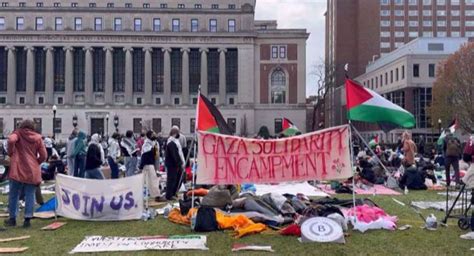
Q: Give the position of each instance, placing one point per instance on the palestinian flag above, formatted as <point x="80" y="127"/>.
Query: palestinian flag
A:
<point x="452" y="127"/>
<point x="209" y="118"/>
<point x="289" y="129"/>
<point x="366" y="105"/>
<point x="374" y="141"/>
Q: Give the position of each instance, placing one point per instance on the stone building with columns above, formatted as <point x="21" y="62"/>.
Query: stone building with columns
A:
<point x="139" y="64"/>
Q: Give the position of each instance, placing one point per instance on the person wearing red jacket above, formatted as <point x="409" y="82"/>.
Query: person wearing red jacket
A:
<point x="27" y="152"/>
<point x="469" y="148"/>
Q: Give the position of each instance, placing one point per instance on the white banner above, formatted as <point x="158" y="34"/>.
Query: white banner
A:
<point x="125" y="244"/>
<point x="99" y="200"/>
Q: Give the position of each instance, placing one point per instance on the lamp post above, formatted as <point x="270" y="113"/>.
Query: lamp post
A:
<point x="439" y="125"/>
<point x="74" y="121"/>
<point x="107" y="127"/>
<point x="54" y="121"/>
<point x="116" y="122"/>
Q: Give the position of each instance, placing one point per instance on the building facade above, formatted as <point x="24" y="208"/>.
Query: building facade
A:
<point x="359" y="32"/>
<point x="141" y="64"/>
<point x="405" y="77"/>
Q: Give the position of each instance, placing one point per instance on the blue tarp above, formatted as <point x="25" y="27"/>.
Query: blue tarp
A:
<point x="48" y="206"/>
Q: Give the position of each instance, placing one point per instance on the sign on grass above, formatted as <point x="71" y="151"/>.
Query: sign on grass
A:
<point x="125" y="244"/>
<point x="86" y="199"/>
<point x="321" y="155"/>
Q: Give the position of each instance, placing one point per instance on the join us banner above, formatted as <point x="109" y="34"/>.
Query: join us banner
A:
<point x="321" y="155"/>
<point x="100" y="200"/>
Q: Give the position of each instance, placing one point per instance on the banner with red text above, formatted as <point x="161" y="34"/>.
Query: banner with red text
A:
<point x="321" y="155"/>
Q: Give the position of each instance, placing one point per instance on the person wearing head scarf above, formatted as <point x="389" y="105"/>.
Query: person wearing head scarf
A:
<point x="79" y="154"/>
<point x="69" y="149"/>
<point x="174" y="163"/>
<point x="113" y="153"/>
<point x="94" y="159"/>
<point x="129" y="149"/>
<point x="27" y="151"/>
<point x="150" y="152"/>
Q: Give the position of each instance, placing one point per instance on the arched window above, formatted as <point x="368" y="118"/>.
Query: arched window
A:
<point x="278" y="86"/>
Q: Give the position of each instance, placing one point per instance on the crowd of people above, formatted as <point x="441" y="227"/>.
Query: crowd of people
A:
<point x="33" y="158"/>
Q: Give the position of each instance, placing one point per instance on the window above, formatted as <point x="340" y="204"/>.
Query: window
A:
<point x="118" y="24"/>
<point x="163" y="6"/>
<point x="391" y="76"/>
<point x="426" y="2"/>
<point x="278" y="125"/>
<point x="128" y="5"/>
<point x="57" y="125"/>
<point x="176" y="70"/>
<point x="78" y="24"/>
<point x="428" y="33"/>
<point x="412" y="13"/>
<point x="456" y="2"/>
<point x="427" y="23"/>
<point x="274" y="52"/>
<point x="157" y="101"/>
<point x="20" y="23"/>
<point x="175" y="27"/>
<point x="441" y="13"/>
<point x="176" y="122"/>
<point x="58" y="24"/>
<point x="413" y="34"/>
<point x="156" y="125"/>
<point x="176" y="101"/>
<point x="20" y="69"/>
<point x="74" y="4"/>
<point x="384" y="34"/>
<point x="431" y="70"/>
<point x="413" y="2"/>
<point x="384" y="23"/>
<point x="386" y="78"/>
<point x="157" y="69"/>
<point x="214" y="6"/>
<point x="212" y="25"/>
<point x="384" y="2"/>
<point x="399" y="2"/>
<point x="399" y="44"/>
<point x="232" y="71"/>
<point x="181" y="6"/>
<point x="426" y="12"/>
<point x="399" y="12"/>
<point x="39" y="4"/>
<point x="156" y="25"/>
<point x="22" y="4"/>
<point x="385" y="13"/>
<point x="384" y="45"/>
<point x="213" y="71"/>
<point x="139" y="101"/>
<point x="2" y="23"/>
<point x="232" y="122"/>
<point x="79" y="69"/>
<point x="4" y="4"/>
<point x="17" y="122"/>
<point x="455" y="34"/>
<point x="441" y="2"/>
<point x="59" y="69"/>
<point x="40" y="64"/>
<point x="231" y="101"/>
<point x="98" y="24"/>
<point x="98" y="65"/>
<point x="441" y="34"/>
<point x="39" y="23"/>
<point x="413" y="23"/>
<point x="416" y="70"/>
<point x="231" y="6"/>
<point x="455" y="23"/>
<point x="396" y="74"/>
<point x="57" y="4"/>
<point x="194" y="70"/>
<point x="231" y="26"/>
<point x="118" y="69"/>
<point x="198" y="6"/>
<point x="138" y="24"/>
<point x="110" y="5"/>
<point x="92" y="5"/>
<point x="403" y="72"/>
<point x="441" y="23"/>
<point x="40" y="100"/>
<point x="469" y="23"/>
<point x="455" y="12"/>
<point x="146" y="5"/>
<point x="138" y="60"/>
<point x="399" y="23"/>
<point x="282" y="52"/>
<point x="194" y="25"/>
<point x="194" y="100"/>
<point x="137" y="125"/>
<point x="399" y="34"/>
<point x="3" y="100"/>
<point x="422" y="100"/>
<point x="278" y="86"/>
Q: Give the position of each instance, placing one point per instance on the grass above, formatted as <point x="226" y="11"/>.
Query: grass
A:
<point x="415" y="241"/>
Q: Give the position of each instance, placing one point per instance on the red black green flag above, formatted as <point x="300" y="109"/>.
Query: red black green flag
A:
<point x="209" y="118"/>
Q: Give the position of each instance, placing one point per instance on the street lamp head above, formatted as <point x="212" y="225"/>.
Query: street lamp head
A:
<point x="107" y="116"/>
<point x="439" y="121"/>
<point x="55" y="108"/>
<point x="116" y="120"/>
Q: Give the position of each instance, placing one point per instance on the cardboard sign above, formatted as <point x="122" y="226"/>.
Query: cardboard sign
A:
<point x="321" y="155"/>
<point x="125" y="244"/>
<point x="86" y="199"/>
<point x="12" y="249"/>
<point x="322" y="230"/>
<point x="10" y="239"/>
<point x="54" y="226"/>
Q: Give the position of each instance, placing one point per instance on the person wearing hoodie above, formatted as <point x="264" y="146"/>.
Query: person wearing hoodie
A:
<point x="150" y="152"/>
<point x="69" y="149"/>
<point x="94" y="159"/>
<point x="27" y="151"/>
<point x="113" y="153"/>
<point x="129" y="150"/>
<point x="174" y="163"/>
<point x="79" y="154"/>
<point x="469" y="147"/>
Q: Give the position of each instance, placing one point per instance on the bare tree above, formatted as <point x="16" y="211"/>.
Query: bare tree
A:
<point x="322" y="71"/>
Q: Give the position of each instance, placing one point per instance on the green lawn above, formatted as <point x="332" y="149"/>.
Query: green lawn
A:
<point x="415" y="241"/>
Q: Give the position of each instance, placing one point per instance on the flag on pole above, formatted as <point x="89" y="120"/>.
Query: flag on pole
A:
<point x="366" y="105"/>
<point x="452" y="128"/>
<point x="289" y="129"/>
<point x="209" y="118"/>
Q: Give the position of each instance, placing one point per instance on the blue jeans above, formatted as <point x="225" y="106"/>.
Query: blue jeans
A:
<point x="79" y="166"/>
<point x="114" y="170"/>
<point x="95" y="174"/>
<point x="14" y="195"/>
<point x="130" y="165"/>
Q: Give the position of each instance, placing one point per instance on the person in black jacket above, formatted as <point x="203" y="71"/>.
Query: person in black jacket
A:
<point x="174" y="163"/>
<point x="150" y="152"/>
<point x="94" y="162"/>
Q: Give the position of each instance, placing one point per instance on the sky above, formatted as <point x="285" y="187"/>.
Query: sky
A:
<point x="307" y="14"/>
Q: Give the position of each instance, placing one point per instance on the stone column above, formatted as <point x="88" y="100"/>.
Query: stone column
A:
<point x="11" y="78"/>
<point x="185" y="76"/>
<point x="49" y="79"/>
<point x="167" y="76"/>
<point x="222" y="76"/>
<point x="128" y="75"/>
<point x="69" y="76"/>
<point x="148" y="74"/>
<point x="204" y="70"/>
<point x="89" y="78"/>
<point x="109" y="76"/>
<point x="30" y="75"/>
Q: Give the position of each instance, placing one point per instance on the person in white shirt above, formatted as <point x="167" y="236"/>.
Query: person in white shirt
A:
<point x="113" y="155"/>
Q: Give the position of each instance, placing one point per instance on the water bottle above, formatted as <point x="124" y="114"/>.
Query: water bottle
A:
<point x="406" y="191"/>
<point x="193" y="221"/>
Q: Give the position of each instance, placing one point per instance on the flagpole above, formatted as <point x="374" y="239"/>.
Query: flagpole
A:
<point x="194" y="168"/>
<point x="346" y="69"/>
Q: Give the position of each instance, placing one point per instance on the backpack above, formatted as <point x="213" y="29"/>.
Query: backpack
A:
<point x="452" y="147"/>
<point x="206" y="220"/>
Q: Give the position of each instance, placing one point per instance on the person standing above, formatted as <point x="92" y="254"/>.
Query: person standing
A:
<point x="184" y="144"/>
<point x="421" y="146"/>
<point x="469" y="147"/>
<point x="409" y="150"/>
<point x="79" y="154"/>
<point x="94" y="159"/>
<point x="113" y="155"/>
<point x="69" y="149"/>
<point x="140" y="141"/>
<point x="150" y="152"/>
<point x="452" y="151"/>
<point x="174" y="163"/>
<point x="48" y="143"/>
<point x="27" y="151"/>
<point x="129" y="149"/>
